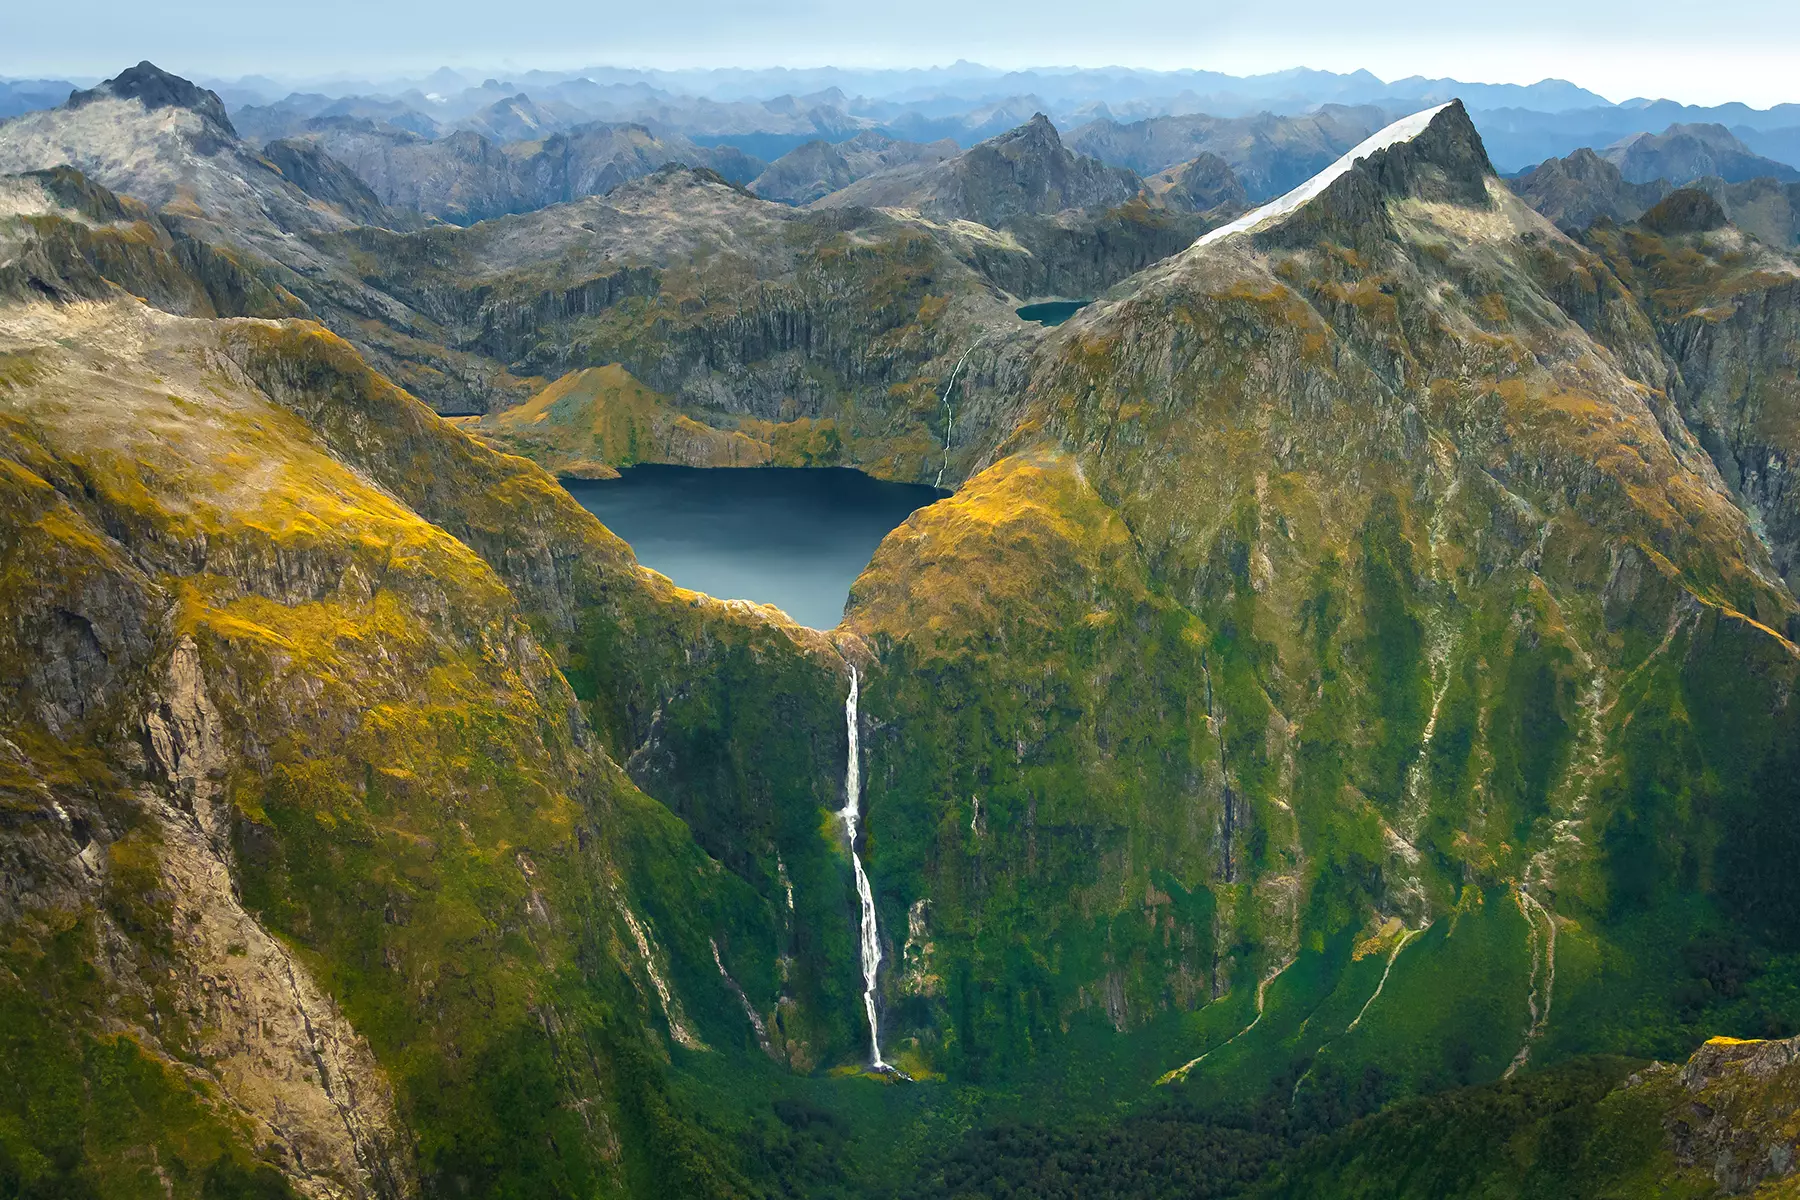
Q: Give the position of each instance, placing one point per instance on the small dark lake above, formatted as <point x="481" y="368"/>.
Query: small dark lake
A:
<point x="1052" y="312"/>
<point x="788" y="536"/>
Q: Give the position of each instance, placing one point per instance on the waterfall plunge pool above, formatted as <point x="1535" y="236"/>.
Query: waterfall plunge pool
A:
<point x="794" y="537"/>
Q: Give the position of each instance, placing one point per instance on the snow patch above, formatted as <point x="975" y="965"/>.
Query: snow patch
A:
<point x="1403" y="130"/>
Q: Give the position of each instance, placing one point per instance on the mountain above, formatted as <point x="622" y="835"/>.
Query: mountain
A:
<point x="170" y="144"/>
<point x="465" y="177"/>
<point x="1734" y="357"/>
<point x="1337" y="731"/>
<point x="1576" y="191"/>
<point x="276" y="1046"/>
<point x="163" y="141"/>
<point x="1269" y="154"/>
<point x="1205" y="183"/>
<point x="27" y="95"/>
<point x="819" y="168"/>
<point x="1255" y="472"/>
<point x="1683" y="153"/>
<point x="1023" y="171"/>
<point x="260" y="124"/>
<point x="521" y="119"/>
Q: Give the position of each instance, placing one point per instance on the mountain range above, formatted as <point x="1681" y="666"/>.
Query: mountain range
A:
<point x="1334" y="736"/>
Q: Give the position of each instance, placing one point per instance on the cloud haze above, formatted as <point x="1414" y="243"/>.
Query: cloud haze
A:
<point x="1745" y="50"/>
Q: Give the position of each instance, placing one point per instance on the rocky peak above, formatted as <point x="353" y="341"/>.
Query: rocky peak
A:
<point x="1443" y="161"/>
<point x="1585" y="165"/>
<point x="1446" y="163"/>
<point x="1035" y="135"/>
<point x="156" y="88"/>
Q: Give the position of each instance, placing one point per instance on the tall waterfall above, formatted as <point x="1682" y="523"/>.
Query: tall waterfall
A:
<point x="852" y="812"/>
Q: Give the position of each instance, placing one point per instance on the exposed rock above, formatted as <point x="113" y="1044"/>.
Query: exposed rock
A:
<point x="318" y="174"/>
<point x="1740" y="1119"/>
<point x="155" y="88"/>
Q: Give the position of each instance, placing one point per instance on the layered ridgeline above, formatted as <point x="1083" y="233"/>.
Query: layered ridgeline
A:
<point x="1354" y="664"/>
<point x="734" y="308"/>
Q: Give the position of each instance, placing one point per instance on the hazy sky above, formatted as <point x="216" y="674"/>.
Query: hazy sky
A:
<point x="1728" y="50"/>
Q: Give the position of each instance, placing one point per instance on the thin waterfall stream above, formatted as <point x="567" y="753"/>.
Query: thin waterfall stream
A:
<point x="871" y="940"/>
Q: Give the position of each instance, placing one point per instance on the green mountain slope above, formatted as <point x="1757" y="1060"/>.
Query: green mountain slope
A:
<point x="1354" y="667"/>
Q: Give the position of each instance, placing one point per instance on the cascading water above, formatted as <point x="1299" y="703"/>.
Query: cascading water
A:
<point x="871" y="941"/>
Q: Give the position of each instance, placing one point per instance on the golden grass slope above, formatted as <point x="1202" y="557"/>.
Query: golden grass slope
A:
<point x="596" y="419"/>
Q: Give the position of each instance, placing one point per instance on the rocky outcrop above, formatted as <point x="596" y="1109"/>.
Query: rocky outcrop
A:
<point x="1739" y="1120"/>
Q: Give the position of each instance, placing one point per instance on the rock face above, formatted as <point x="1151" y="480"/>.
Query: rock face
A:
<point x="1740" y="1118"/>
<point x="819" y="168"/>
<point x="1727" y="311"/>
<point x="1024" y="172"/>
<point x="1684" y="153"/>
<point x="319" y="175"/>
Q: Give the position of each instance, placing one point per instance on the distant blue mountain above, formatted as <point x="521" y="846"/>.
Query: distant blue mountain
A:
<point x="28" y="95"/>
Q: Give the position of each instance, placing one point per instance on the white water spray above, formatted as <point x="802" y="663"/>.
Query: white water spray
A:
<point x="871" y="941"/>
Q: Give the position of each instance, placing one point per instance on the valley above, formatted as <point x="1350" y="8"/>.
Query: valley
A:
<point x="586" y="665"/>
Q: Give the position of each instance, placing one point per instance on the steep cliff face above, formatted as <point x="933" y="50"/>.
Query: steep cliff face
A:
<point x="319" y="865"/>
<point x="1727" y="310"/>
<point x="1421" y="589"/>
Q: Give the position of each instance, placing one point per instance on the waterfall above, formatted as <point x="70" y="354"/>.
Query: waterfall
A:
<point x="852" y="812"/>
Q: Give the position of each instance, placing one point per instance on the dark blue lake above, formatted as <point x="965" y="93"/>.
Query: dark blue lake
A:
<point x="1052" y="312"/>
<point x="788" y="536"/>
